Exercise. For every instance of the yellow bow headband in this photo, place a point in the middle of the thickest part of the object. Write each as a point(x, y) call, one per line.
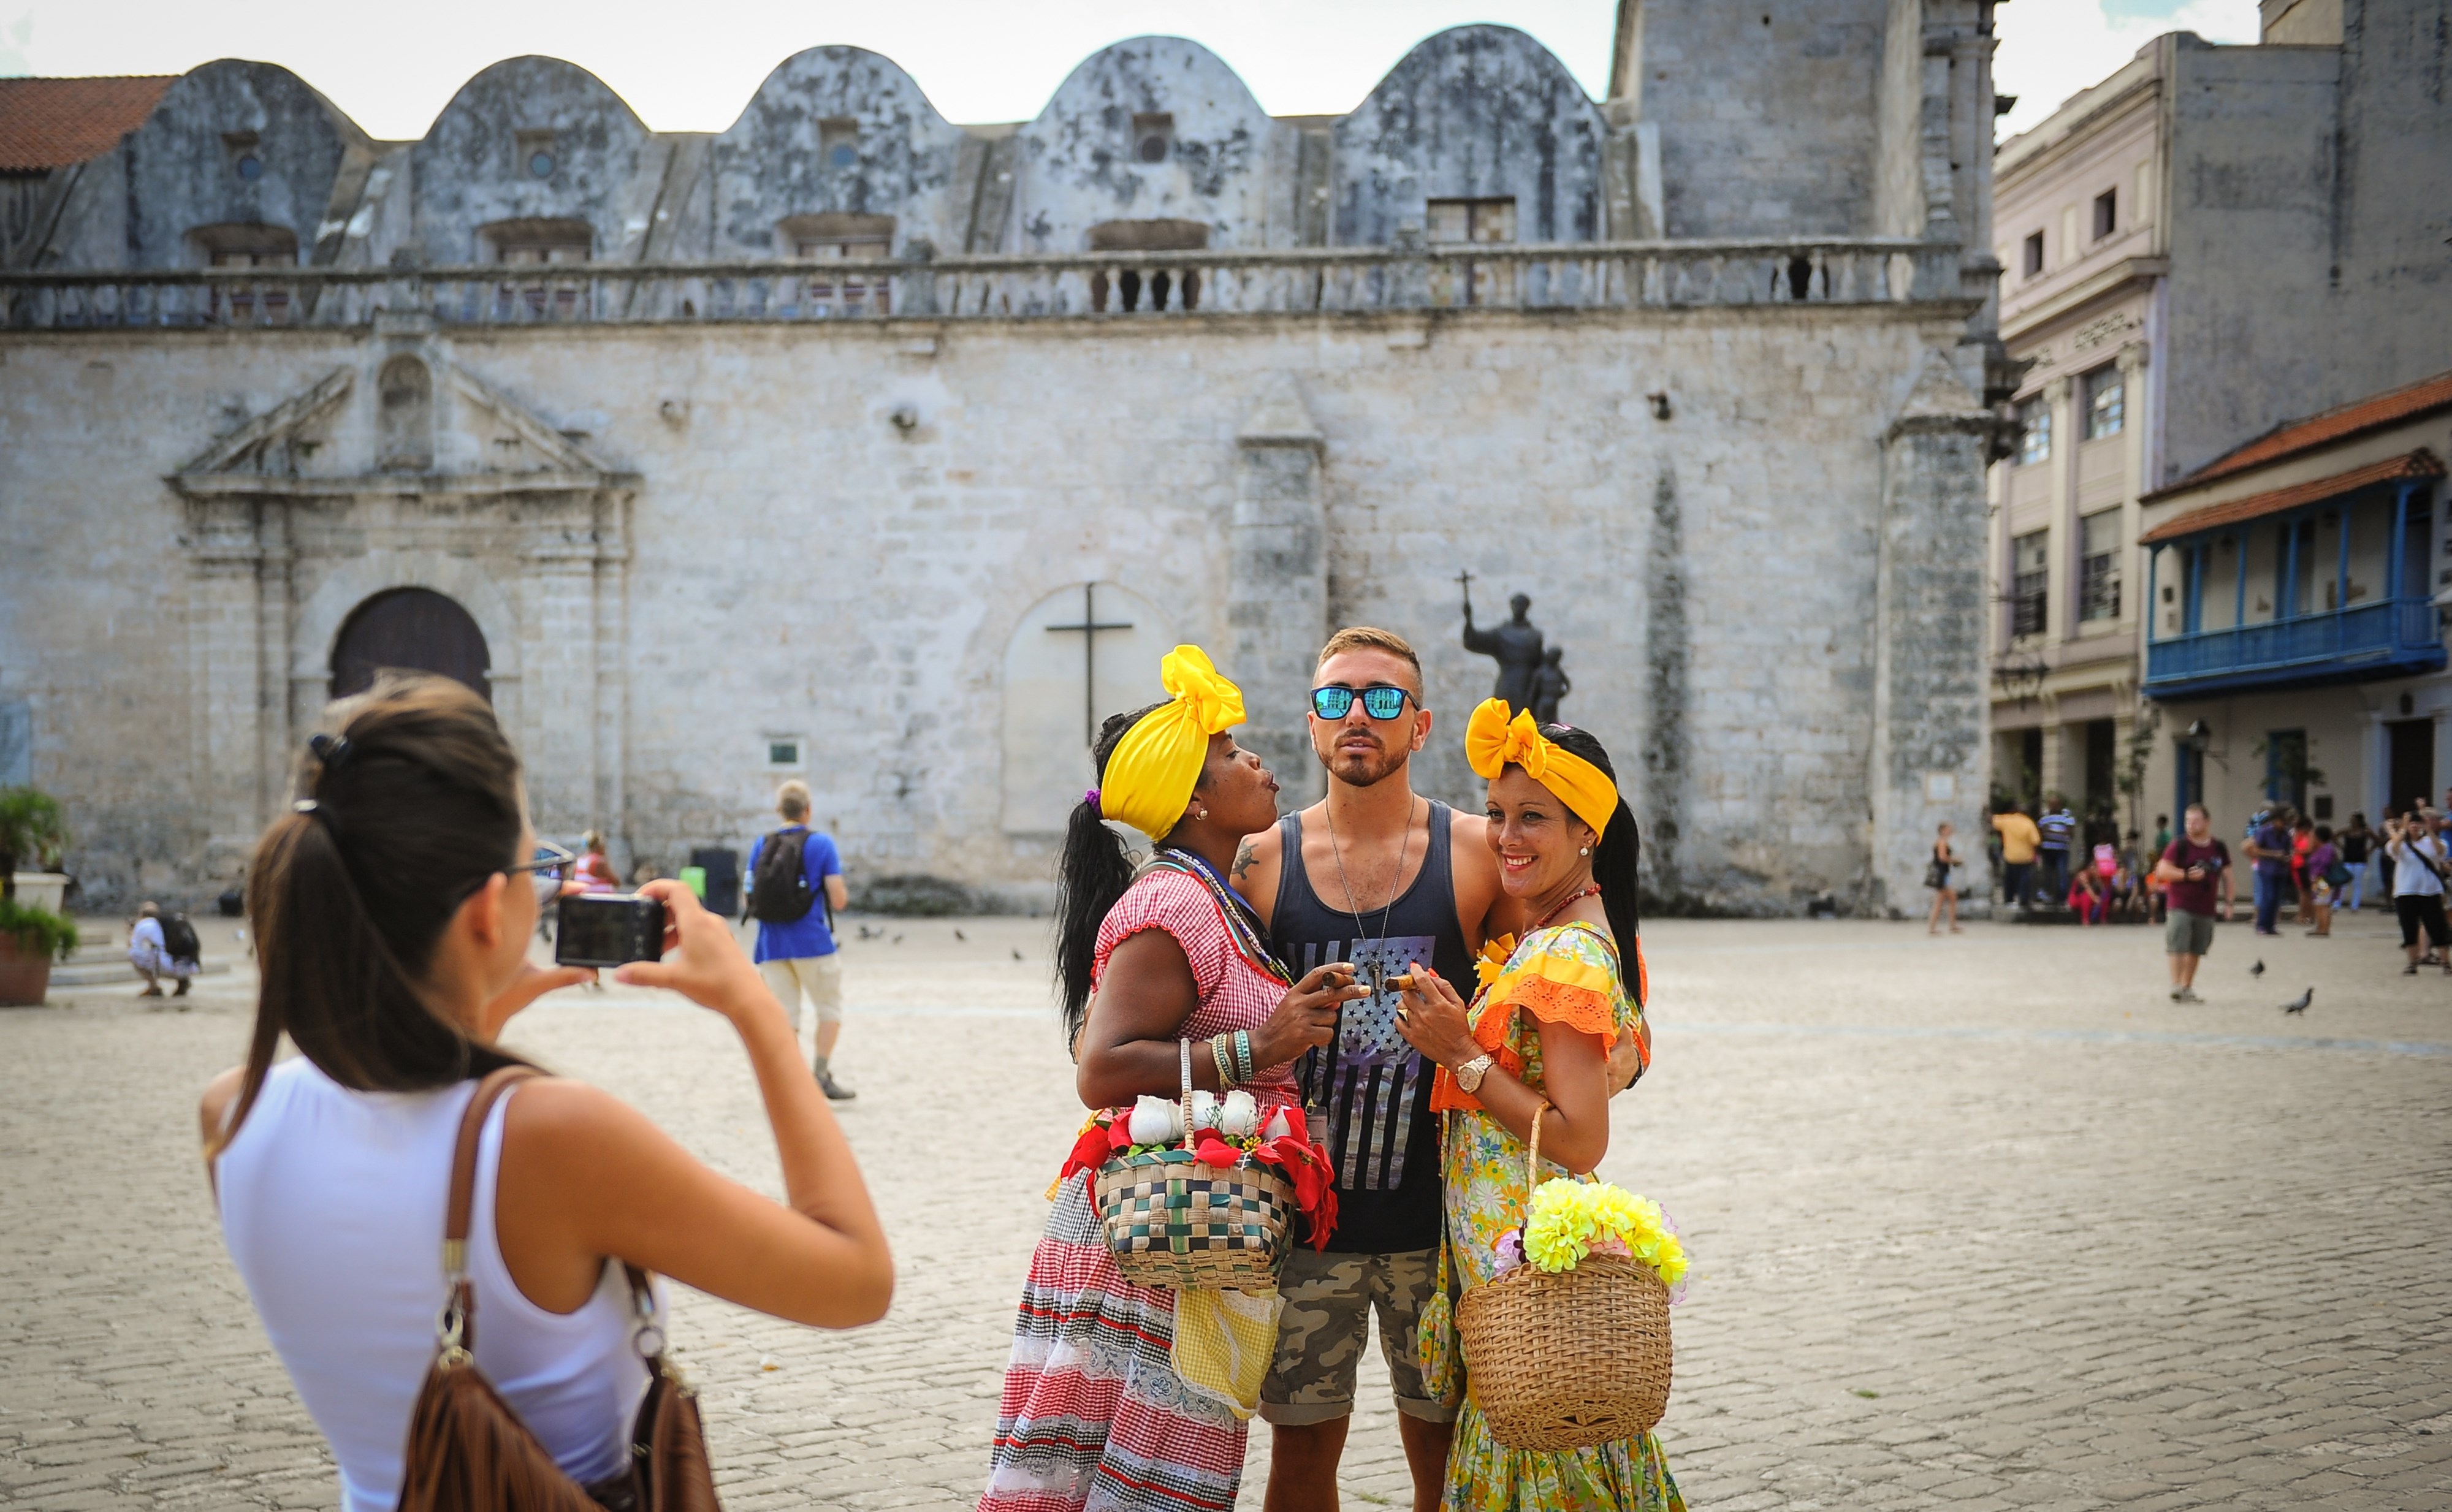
point(1493, 742)
point(1151, 775)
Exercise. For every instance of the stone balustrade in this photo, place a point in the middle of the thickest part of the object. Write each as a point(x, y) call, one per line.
point(1110, 286)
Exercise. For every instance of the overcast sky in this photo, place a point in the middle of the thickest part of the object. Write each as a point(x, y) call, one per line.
point(692, 67)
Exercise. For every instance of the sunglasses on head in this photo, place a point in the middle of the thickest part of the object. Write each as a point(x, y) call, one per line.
point(1379, 700)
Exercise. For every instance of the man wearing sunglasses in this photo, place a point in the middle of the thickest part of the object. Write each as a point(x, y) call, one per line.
point(1379, 876)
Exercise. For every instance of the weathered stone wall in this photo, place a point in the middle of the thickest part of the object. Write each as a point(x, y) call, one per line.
point(472, 171)
point(1472, 112)
point(1767, 113)
point(780, 161)
point(796, 562)
point(184, 165)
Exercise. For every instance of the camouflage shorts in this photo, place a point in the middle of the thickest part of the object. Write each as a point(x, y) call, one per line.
point(1327, 1320)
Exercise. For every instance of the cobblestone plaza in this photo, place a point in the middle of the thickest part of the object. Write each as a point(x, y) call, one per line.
point(1979, 1221)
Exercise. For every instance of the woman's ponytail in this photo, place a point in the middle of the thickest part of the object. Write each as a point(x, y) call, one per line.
point(1616, 862)
point(1090, 875)
point(412, 808)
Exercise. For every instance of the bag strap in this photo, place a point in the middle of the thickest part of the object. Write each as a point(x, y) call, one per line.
point(456, 1331)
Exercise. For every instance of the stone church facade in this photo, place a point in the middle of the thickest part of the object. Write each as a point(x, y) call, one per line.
point(810, 448)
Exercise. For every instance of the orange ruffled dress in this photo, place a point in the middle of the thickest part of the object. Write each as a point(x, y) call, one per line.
point(1568, 974)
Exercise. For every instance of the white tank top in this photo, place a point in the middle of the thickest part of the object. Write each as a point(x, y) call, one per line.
point(332, 1207)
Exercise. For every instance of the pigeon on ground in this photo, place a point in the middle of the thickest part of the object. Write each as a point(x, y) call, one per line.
point(960, 935)
point(898, 939)
point(2258, 969)
point(2301, 1006)
point(1017, 955)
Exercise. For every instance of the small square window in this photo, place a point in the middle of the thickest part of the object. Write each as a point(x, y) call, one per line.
point(838, 142)
point(2034, 254)
point(535, 152)
point(1153, 135)
point(2107, 213)
point(784, 753)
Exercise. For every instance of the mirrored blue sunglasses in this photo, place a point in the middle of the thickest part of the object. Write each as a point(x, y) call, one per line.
point(1379, 700)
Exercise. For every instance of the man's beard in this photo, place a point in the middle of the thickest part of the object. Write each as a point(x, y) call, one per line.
point(1359, 771)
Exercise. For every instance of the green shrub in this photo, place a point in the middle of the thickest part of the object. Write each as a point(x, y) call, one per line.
point(38, 930)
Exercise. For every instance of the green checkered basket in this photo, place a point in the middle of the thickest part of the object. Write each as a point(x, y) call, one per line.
point(1173, 1221)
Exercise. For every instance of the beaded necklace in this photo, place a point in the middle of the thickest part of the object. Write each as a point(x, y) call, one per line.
point(1242, 920)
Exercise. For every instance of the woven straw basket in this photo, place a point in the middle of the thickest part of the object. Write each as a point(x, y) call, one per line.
point(1172, 1221)
point(1570, 1360)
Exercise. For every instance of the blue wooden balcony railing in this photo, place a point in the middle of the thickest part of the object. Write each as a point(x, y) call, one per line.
point(2392, 637)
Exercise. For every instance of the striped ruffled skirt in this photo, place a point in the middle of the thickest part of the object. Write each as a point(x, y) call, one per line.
point(1094, 1417)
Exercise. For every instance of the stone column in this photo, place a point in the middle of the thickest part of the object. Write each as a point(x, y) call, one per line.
point(1276, 604)
point(558, 633)
point(227, 677)
point(1930, 759)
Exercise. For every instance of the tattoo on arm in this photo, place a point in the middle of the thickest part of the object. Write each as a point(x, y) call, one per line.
point(1243, 859)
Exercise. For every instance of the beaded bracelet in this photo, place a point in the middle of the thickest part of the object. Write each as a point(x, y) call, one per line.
point(1225, 1066)
point(1242, 1055)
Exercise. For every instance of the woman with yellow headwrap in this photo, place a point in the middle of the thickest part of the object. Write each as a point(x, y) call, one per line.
point(1108, 1403)
point(1536, 1040)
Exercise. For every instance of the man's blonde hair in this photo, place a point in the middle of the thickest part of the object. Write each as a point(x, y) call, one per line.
point(1368, 638)
point(792, 799)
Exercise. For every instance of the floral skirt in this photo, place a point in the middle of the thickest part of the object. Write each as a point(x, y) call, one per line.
point(1093, 1417)
point(1626, 1474)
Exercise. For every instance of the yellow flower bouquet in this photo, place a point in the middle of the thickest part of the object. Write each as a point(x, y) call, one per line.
point(1567, 1220)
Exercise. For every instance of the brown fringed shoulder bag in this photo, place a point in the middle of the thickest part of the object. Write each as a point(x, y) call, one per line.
point(467, 1450)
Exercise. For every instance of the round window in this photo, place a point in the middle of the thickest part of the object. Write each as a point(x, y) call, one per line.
point(251, 167)
point(843, 156)
point(541, 163)
point(1153, 148)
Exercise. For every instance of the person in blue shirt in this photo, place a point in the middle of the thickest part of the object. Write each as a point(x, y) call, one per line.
point(797, 956)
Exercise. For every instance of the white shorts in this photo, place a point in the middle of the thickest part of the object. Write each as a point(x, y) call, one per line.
point(819, 977)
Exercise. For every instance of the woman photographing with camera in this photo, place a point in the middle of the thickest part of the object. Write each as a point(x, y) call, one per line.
point(392, 911)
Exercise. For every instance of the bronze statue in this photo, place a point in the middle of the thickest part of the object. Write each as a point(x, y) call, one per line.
point(1549, 685)
point(1516, 646)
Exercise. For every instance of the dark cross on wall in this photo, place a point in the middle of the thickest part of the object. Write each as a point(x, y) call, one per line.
point(1088, 630)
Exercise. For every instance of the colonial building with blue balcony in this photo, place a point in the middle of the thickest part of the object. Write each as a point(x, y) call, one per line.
point(2296, 643)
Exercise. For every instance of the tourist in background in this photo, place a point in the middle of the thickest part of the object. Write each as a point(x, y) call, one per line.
point(2086, 897)
point(2190, 870)
point(2325, 874)
point(2355, 843)
point(794, 900)
point(2019, 838)
point(2057, 827)
point(150, 951)
point(2303, 879)
point(391, 913)
point(594, 872)
point(2269, 852)
point(2162, 834)
point(2418, 867)
point(1936, 876)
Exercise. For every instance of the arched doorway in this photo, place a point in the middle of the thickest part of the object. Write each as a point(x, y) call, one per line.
point(411, 628)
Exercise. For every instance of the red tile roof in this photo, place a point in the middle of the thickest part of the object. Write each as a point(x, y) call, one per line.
point(2420, 463)
point(52, 123)
point(2386, 408)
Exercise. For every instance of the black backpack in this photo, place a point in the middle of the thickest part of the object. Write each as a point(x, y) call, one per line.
point(779, 889)
point(179, 939)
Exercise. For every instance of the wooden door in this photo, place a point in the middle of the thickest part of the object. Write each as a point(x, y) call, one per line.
point(409, 629)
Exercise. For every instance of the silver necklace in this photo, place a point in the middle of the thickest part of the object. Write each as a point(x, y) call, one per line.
point(1396, 885)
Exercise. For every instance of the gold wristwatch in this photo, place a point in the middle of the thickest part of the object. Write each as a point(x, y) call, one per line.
point(1468, 1076)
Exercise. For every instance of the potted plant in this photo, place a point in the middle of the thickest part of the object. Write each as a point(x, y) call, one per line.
point(30, 829)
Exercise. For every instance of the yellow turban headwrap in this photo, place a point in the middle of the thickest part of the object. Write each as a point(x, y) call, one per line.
point(1151, 775)
point(1493, 742)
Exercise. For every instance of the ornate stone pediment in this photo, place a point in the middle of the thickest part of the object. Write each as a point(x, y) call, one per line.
point(419, 423)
